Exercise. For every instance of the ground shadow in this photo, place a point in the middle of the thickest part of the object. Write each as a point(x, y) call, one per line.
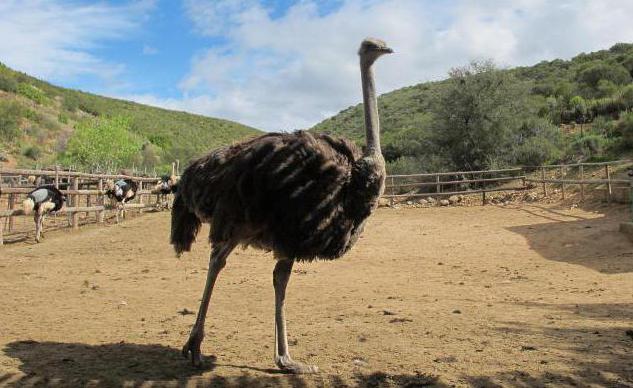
point(134, 365)
point(595, 243)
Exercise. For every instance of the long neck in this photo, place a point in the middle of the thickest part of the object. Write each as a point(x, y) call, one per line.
point(372, 123)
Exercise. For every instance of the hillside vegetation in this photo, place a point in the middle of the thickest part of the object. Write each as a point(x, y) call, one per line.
point(486, 117)
point(42, 124)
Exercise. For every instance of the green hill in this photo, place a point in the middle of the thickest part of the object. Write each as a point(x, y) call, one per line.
point(556, 110)
point(40, 125)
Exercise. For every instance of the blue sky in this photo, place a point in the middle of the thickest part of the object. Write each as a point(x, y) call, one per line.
point(286, 64)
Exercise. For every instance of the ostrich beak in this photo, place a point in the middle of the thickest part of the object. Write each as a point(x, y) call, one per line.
point(387, 50)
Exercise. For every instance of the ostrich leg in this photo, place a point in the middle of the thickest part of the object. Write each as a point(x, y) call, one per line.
point(281, 275)
point(38, 225)
point(219, 253)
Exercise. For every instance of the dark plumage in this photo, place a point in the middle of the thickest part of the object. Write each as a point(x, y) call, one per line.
point(300, 195)
point(41, 201)
point(123, 190)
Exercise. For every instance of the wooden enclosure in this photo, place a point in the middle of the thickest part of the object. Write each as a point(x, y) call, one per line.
point(86, 200)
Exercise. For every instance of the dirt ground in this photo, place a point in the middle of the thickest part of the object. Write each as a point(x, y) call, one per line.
point(522, 296)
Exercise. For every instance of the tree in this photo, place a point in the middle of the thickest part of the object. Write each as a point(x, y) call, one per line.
point(477, 114)
point(101, 140)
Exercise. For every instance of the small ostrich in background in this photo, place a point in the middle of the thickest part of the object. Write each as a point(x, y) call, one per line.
point(121, 192)
point(40, 202)
point(302, 196)
point(167, 185)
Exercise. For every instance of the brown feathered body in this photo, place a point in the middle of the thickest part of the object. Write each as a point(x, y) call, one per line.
point(301, 195)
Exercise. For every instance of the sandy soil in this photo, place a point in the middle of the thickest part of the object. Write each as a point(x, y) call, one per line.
point(463, 296)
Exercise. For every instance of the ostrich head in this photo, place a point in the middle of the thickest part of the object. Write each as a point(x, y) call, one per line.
point(371, 48)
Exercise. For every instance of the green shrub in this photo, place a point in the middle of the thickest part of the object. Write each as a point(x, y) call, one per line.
point(10, 115)
point(62, 118)
point(8, 84)
point(624, 128)
point(101, 140)
point(70, 102)
point(31, 92)
point(589, 146)
point(32, 152)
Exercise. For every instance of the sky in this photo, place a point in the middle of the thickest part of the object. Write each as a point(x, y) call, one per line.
point(279, 65)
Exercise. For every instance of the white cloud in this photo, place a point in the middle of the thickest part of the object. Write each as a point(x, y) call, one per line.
point(294, 69)
point(54, 39)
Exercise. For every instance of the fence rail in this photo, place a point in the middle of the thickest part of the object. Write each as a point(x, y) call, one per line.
point(467, 183)
point(85, 193)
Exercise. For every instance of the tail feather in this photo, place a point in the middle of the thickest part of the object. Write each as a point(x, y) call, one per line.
point(184, 226)
point(28, 205)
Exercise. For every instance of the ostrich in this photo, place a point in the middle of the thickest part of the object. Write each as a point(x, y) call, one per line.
point(167, 185)
point(121, 191)
point(42, 200)
point(301, 195)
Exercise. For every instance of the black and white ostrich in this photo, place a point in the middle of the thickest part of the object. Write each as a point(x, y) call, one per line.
point(40, 202)
point(121, 192)
point(301, 195)
point(168, 184)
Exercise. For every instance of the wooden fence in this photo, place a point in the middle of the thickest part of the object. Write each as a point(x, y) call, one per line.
point(446, 184)
point(557, 177)
point(86, 200)
point(585, 179)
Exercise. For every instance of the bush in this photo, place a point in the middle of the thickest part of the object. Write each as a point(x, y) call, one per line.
point(32, 153)
point(8, 84)
point(625, 129)
point(589, 146)
point(62, 118)
point(102, 140)
point(10, 115)
point(31, 92)
point(70, 102)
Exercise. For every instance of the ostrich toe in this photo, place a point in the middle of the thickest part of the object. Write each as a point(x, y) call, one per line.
point(287, 364)
point(193, 346)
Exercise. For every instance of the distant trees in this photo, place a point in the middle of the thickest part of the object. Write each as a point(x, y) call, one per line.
point(100, 140)
point(477, 115)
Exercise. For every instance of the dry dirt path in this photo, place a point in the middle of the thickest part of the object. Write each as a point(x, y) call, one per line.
point(480, 296)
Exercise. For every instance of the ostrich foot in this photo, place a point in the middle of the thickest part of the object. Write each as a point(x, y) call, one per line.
point(287, 364)
point(193, 346)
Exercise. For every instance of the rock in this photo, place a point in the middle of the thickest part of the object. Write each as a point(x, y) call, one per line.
point(444, 202)
point(409, 203)
point(382, 202)
point(431, 200)
point(531, 197)
point(359, 362)
point(387, 312)
point(457, 312)
point(185, 311)
point(3, 157)
point(423, 201)
point(453, 199)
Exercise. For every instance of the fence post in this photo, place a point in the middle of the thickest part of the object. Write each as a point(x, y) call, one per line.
point(582, 185)
point(393, 192)
point(438, 189)
point(101, 202)
point(607, 170)
point(11, 206)
point(543, 180)
point(56, 176)
point(75, 215)
point(1, 231)
point(562, 185)
point(140, 196)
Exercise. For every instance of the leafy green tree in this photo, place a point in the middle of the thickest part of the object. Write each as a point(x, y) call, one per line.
point(477, 114)
point(101, 141)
